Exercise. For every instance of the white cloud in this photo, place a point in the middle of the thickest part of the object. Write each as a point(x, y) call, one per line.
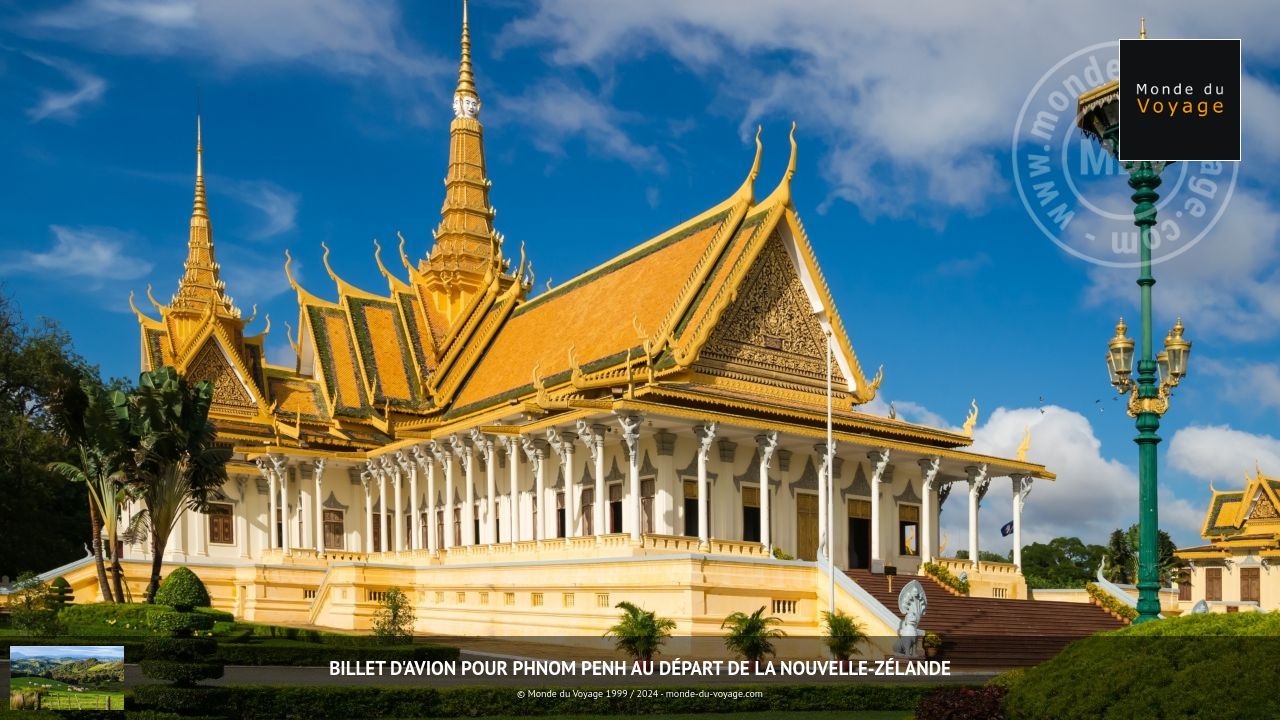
point(279, 207)
point(559, 112)
point(66, 105)
point(94, 253)
point(1227, 286)
point(359, 39)
point(1254, 385)
point(252, 276)
point(1222, 454)
point(916, 107)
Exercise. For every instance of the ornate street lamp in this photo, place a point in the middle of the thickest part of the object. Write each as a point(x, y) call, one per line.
point(1099, 118)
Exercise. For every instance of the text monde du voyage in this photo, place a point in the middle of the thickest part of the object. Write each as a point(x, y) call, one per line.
point(1179, 99)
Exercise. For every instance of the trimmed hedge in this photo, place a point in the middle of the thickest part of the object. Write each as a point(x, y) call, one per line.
point(1190, 666)
point(252, 702)
point(183, 590)
point(1110, 603)
point(180, 623)
point(944, 576)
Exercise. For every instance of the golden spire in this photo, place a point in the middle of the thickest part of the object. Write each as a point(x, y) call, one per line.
point(467, 250)
point(201, 286)
point(466, 81)
point(1142, 27)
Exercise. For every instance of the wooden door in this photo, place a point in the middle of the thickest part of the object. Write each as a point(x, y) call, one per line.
point(1250, 588)
point(807, 526)
point(1213, 583)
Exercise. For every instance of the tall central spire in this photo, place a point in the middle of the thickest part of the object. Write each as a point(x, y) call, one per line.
point(201, 286)
point(467, 249)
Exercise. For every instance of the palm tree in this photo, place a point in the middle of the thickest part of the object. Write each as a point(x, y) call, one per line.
point(751, 635)
point(174, 463)
point(86, 419)
point(844, 634)
point(640, 633)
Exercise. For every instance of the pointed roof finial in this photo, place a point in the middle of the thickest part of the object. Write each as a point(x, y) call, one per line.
point(1142, 27)
point(466, 81)
point(200, 209)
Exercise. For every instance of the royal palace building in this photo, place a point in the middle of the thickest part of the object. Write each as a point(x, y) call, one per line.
point(653, 430)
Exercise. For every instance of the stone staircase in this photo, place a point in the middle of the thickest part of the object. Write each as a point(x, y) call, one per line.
point(990, 633)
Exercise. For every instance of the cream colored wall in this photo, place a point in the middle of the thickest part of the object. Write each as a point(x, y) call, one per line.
point(1268, 586)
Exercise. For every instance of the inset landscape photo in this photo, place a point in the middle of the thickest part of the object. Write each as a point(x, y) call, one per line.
point(66, 677)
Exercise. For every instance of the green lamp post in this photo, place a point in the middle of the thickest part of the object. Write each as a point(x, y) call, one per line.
point(1098, 117)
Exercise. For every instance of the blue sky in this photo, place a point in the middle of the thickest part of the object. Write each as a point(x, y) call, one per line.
point(100, 652)
point(608, 122)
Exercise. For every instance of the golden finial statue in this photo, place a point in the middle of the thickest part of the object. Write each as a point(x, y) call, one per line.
point(466, 81)
point(971, 420)
point(1025, 445)
point(1142, 26)
point(201, 208)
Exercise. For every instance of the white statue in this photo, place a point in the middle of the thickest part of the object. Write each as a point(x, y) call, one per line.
point(1200, 608)
point(466, 106)
point(912, 604)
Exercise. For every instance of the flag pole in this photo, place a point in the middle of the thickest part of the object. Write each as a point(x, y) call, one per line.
point(830, 499)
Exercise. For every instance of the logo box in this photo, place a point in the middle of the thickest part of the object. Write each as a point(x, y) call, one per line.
point(1179, 100)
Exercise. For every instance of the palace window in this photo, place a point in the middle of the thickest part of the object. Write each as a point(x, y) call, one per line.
point(909, 530)
point(751, 514)
point(566, 600)
point(377, 533)
point(690, 508)
point(457, 526)
point(1213, 583)
point(647, 489)
point(615, 508)
point(484, 598)
point(221, 524)
point(509, 598)
point(440, 529)
point(334, 530)
point(602, 600)
point(1249, 584)
point(475, 514)
point(588, 511)
point(560, 529)
point(859, 533)
point(535, 599)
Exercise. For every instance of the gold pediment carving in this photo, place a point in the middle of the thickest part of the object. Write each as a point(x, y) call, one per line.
point(211, 364)
point(771, 327)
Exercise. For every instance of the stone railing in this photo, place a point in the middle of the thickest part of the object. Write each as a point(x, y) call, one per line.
point(988, 579)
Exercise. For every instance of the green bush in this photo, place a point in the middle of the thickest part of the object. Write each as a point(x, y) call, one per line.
point(115, 619)
point(179, 624)
point(1109, 602)
point(259, 701)
point(178, 648)
point(1188, 666)
point(944, 576)
point(182, 673)
point(183, 590)
point(60, 593)
point(218, 615)
point(32, 607)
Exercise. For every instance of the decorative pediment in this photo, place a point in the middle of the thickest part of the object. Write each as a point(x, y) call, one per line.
point(211, 363)
point(331, 503)
point(1263, 508)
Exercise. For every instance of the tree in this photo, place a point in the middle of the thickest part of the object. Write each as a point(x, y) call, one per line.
point(393, 621)
point(640, 633)
point(33, 607)
point(183, 590)
point(986, 556)
point(1121, 558)
point(752, 636)
point(844, 634)
point(1166, 563)
point(1064, 562)
point(174, 463)
point(37, 362)
point(87, 421)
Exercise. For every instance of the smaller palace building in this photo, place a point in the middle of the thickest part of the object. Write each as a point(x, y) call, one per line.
point(1236, 570)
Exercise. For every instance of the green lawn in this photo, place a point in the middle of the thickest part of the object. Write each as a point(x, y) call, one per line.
point(823, 715)
point(58, 696)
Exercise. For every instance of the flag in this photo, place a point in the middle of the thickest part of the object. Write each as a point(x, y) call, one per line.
point(1007, 529)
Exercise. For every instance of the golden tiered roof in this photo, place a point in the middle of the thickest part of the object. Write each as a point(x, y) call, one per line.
point(1241, 519)
point(724, 316)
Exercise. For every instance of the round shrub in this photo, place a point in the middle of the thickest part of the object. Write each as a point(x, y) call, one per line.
point(1175, 667)
point(183, 590)
point(180, 673)
point(179, 624)
point(179, 648)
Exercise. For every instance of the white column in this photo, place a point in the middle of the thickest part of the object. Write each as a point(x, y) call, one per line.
point(879, 461)
point(824, 465)
point(202, 539)
point(433, 539)
point(705, 434)
point(463, 449)
point(281, 465)
point(1021, 488)
point(413, 463)
point(631, 436)
point(978, 482)
point(319, 509)
point(928, 478)
point(562, 443)
point(593, 439)
point(536, 451)
point(383, 534)
point(264, 464)
point(391, 467)
point(767, 443)
point(485, 446)
point(449, 470)
point(512, 447)
point(242, 517)
point(366, 480)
